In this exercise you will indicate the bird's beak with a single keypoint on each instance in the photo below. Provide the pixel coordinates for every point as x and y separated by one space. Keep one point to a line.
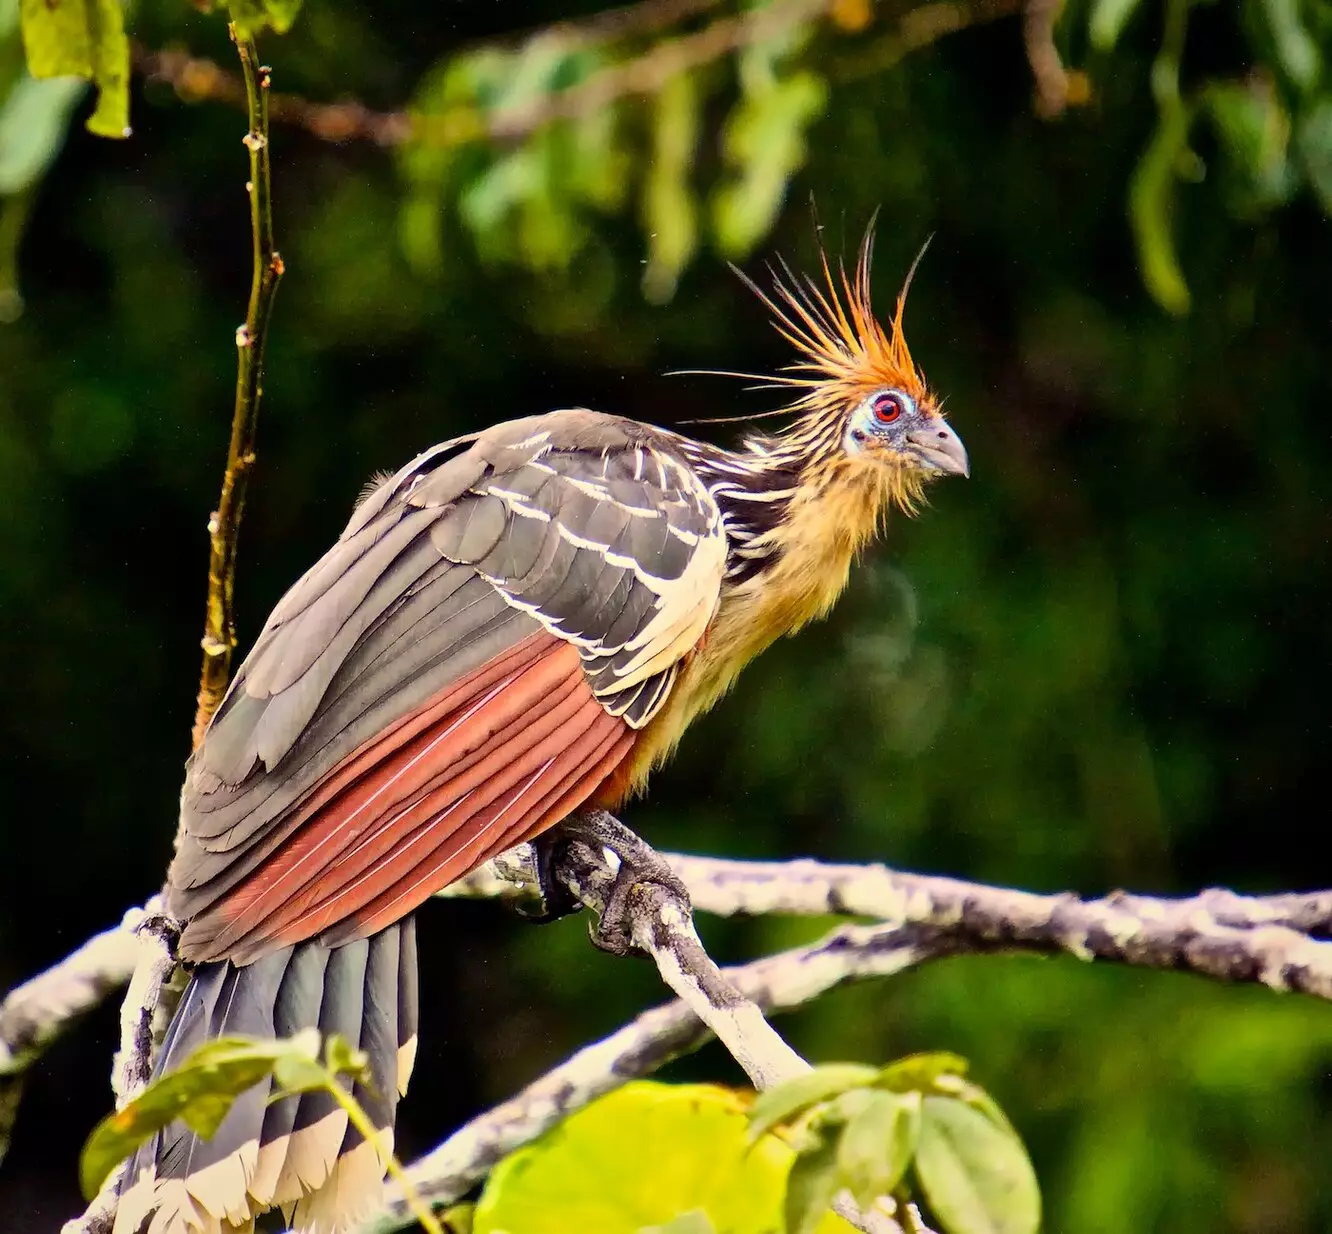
939 448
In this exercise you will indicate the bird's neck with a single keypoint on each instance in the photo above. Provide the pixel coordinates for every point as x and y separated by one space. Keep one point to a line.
792 513
795 523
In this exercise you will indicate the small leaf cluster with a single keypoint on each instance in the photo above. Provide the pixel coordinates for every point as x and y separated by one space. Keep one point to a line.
864 1131
202 1089
505 146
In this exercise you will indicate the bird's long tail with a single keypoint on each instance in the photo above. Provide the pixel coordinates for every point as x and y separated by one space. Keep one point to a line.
298 1154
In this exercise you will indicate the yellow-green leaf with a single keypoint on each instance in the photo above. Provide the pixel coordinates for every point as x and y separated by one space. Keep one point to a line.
974 1173
640 1157
670 214
783 1103
1108 18
82 38
252 16
1151 204
765 141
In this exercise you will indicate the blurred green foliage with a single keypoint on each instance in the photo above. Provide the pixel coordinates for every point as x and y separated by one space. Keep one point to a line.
1100 662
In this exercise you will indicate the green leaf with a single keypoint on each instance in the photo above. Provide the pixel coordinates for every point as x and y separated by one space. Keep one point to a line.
974 1173
1296 51
670 214
33 120
1254 132
82 38
253 16
201 1091
1151 202
640 1157
876 1148
1314 141
783 1103
343 1058
810 1187
921 1072
1108 19
764 140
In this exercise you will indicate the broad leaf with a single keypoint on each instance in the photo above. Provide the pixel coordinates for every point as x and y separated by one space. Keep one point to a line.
642 1156
975 1173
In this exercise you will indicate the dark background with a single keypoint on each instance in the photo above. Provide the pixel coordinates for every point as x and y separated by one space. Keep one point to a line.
1101 662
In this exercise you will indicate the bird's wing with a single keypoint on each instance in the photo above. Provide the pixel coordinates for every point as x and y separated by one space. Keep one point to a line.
469 663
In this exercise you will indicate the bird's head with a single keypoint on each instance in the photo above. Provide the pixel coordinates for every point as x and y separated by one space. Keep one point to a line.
864 408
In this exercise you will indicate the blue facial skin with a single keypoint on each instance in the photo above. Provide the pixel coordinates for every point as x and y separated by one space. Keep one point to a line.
890 420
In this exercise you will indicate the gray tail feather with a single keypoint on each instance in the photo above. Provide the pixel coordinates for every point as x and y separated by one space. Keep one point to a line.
298 1153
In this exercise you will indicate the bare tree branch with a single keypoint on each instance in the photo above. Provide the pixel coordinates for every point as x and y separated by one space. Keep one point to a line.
1216 933
1277 940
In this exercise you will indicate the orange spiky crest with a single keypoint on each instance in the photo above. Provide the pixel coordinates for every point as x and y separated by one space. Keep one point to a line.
846 352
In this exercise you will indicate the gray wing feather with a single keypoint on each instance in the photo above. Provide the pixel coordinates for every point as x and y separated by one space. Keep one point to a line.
573 522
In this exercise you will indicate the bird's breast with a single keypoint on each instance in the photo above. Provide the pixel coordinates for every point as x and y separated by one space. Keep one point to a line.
809 569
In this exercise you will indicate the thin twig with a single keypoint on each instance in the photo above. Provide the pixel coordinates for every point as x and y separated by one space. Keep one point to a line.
195 79
1047 69
219 638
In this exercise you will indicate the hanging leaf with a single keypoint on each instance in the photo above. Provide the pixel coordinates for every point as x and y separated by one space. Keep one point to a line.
1314 140
1108 19
1296 51
784 1102
82 38
975 1173
670 214
764 141
1151 203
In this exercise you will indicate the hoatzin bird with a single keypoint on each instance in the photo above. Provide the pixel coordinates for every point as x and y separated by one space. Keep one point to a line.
517 624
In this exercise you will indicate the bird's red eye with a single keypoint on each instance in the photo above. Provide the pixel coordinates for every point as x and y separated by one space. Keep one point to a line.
887 408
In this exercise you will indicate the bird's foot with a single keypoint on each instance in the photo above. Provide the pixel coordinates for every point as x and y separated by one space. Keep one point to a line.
556 900
640 868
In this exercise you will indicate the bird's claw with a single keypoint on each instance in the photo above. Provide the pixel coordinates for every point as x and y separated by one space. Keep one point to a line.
556 899
641 868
